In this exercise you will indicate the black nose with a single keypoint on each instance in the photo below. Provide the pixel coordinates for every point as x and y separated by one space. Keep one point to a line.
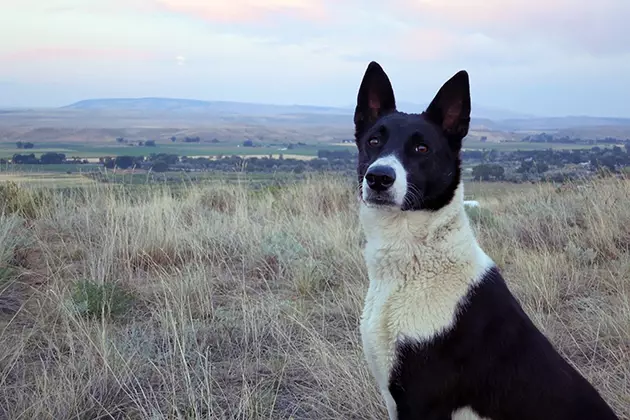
380 178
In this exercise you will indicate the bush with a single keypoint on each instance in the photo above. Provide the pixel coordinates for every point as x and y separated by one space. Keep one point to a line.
24 202
95 300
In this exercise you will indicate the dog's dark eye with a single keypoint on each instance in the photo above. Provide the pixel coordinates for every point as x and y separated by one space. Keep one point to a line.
421 148
374 141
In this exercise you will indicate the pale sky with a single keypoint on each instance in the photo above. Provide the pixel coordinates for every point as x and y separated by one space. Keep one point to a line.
547 57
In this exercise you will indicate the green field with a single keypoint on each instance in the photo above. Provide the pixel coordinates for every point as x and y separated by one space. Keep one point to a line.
55 168
95 150
514 145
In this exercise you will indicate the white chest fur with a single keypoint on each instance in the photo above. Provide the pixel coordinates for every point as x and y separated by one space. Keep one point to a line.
421 266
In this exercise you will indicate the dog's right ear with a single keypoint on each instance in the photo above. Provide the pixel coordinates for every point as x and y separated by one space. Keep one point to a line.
375 98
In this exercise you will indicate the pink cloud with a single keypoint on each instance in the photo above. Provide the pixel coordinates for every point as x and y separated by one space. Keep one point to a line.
70 53
595 26
247 11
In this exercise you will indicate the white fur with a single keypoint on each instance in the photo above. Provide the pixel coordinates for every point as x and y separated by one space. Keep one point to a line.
399 189
471 203
420 266
466 413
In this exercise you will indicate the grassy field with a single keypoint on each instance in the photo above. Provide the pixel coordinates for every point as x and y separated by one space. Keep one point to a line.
226 303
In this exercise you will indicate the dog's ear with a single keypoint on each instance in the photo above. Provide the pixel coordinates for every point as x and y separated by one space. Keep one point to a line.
450 109
375 98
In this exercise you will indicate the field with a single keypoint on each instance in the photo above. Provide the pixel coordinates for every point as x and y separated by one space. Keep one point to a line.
95 150
223 302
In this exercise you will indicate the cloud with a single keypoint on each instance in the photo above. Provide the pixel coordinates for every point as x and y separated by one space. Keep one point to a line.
247 11
592 26
315 51
34 55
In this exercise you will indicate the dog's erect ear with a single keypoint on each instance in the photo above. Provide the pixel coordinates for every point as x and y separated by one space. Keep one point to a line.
375 98
450 109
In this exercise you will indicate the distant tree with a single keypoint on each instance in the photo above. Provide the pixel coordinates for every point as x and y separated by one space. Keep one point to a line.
248 143
124 162
541 167
526 166
108 162
28 145
19 145
150 143
24 159
159 166
173 139
487 171
50 158
120 139
169 158
214 141
141 143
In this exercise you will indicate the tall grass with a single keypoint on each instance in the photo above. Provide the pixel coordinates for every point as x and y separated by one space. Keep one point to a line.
221 302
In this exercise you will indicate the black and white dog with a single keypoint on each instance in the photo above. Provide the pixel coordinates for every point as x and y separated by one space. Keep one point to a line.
442 334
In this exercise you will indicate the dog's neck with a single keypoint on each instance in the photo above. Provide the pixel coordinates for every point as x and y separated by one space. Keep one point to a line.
419 235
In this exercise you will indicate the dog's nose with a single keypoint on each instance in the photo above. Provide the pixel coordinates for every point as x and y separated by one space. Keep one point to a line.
380 178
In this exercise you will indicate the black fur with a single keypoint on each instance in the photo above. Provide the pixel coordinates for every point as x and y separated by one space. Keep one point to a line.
432 176
495 361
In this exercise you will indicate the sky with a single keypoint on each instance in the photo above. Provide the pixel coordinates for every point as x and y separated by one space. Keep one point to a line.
542 57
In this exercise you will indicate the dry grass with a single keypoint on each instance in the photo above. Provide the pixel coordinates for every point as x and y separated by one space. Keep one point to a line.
224 303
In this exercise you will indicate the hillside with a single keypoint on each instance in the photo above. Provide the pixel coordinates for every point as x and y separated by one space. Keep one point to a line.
220 302
491 118
102 120
192 105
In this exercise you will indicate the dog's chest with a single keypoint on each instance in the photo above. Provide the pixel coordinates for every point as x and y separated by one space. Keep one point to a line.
409 299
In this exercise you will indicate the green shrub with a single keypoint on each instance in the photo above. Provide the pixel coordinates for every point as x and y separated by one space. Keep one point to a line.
480 216
95 300
25 202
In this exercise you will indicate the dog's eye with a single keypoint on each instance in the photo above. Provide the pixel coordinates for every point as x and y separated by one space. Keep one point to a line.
374 141
421 148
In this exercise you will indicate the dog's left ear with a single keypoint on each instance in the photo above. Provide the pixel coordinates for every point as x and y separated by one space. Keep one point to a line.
375 98
450 109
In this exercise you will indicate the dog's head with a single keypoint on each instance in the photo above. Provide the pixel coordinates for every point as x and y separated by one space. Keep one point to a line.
409 161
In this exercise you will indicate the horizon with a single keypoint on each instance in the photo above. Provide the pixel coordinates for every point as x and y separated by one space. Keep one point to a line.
403 106
550 58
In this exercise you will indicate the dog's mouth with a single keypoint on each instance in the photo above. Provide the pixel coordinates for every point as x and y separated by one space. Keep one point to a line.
373 199
379 202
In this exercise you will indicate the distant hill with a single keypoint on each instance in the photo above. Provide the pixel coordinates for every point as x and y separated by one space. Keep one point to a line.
478 111
193 105
484 117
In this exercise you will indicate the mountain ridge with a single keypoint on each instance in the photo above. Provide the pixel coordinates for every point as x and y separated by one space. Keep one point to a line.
489 117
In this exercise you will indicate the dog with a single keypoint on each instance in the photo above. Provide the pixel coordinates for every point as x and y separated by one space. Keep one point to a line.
443 336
